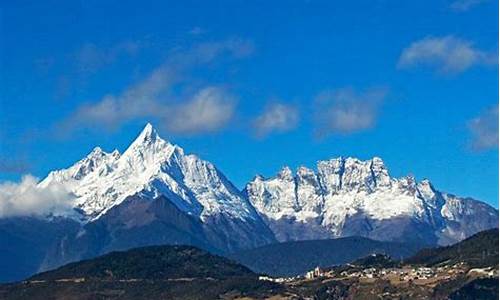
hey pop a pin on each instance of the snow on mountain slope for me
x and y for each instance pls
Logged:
(151, 167)
(348, 196)
(344, 197)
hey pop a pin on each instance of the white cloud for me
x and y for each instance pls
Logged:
(26, 198)
(447, 54)
(465, 5)
(89, 58)
(276, 117)
(209, 110)
(484, 130)
(156, 96)
(139, 100)
(346, 111)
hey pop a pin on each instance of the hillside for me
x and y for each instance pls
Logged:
(479, 250)
(186, 272)
(375, 261)
(294, 258)
(155, 262)
(156, 272)
(156, 193)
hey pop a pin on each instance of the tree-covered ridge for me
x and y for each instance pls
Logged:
(479, 250)
(154, 262)
(298, 257)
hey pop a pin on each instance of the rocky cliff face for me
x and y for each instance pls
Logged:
(153, 170)
(347, 196)
(155, 193)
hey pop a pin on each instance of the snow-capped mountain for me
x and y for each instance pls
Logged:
(155, 193)
(152, 168)
(343, 197)
(347, 196)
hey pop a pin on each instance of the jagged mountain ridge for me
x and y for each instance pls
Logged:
(151, 166)
(343, 197)
(133, 185)
(347, 196)
(153, 193)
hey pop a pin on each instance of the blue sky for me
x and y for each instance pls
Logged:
(255, 86)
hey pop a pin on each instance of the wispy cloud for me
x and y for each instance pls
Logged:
(85, 61)
(465, 5)
(156, 96)
(209, 110)
(484, 130)
(346, 111)
(276, 117)
(90, 57)
(13, 165)
(26, 198)
(447, 54)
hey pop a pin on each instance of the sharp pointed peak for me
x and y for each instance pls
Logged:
(148, 135)
(149, 141)
(426, 182)
(148, 131)
(96, 153)
(97, 150)
(285, 169)
(258, 177)
(377, 164)
(304, 169)
(410, 179)
(115, 153)
(285, 173)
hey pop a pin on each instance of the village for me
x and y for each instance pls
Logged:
(419, 275)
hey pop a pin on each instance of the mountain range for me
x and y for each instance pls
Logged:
(154, 193)
(186, 272)
(297, 257)
(350, 197)
(154, 272)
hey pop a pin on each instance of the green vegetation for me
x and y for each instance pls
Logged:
(156, 272)
(202, 289)
(294, 258)
(478, 289)
(479, 250)
(155, 262)
(375, 261)
(185, 272)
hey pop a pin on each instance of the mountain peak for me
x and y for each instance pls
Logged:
(96, 151)
(258, 177)
(116, 154)
(148, 133)
(285, 173)
(148, 140)
(377, 161)
(426, 189)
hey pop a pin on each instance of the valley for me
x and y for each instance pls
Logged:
(154, 193)
(184, 272)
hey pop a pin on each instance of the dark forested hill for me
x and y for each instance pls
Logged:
(154, 262)
(479, 250)
(293, 258)
(186, 272)
(156, 272)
